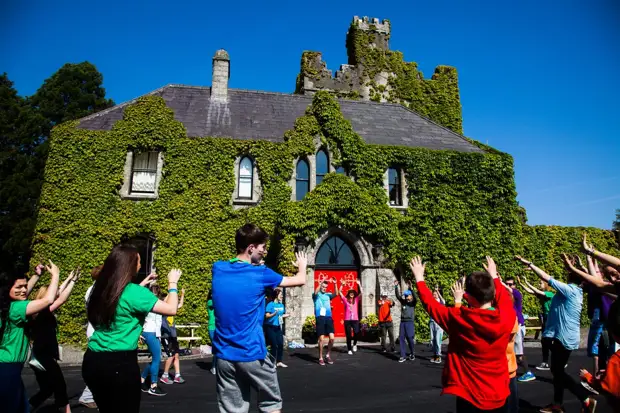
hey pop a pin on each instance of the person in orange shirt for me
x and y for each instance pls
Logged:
(385, 321)
(608, 382)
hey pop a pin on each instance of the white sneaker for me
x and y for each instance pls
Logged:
(355, 347)
(350, 352)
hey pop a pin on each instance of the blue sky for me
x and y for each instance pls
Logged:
(538, 79)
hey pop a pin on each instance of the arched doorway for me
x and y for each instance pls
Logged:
(336, 259)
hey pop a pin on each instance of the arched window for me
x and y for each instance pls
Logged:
(395, 190)
(246, 176)
(302, 179)
(322, 165)
(335, 251)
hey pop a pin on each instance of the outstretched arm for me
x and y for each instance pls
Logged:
(502, 296)
(182, 298)
(592, 279)
(539, 272)
(66, 291)
(437, 311)
(589, 249)
(300, 278)
(36, 306)
(533, 289)
(397, 293)
(35, 278)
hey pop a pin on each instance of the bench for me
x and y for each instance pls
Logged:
(532, 323)
(192, 328)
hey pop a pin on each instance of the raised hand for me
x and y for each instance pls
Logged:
(39, 269)
(587, 247)
(568, 262)
(417, 268)
(458, 290)
(149, 279)
(174, 275)
(301, 260)
(396, 282)
(53, 269)
(491, 268)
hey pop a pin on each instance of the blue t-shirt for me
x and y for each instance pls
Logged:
(276, 319)
(564, 315)
(238, 290)
(322, 304)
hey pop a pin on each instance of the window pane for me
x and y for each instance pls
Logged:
(303, 171)
(393, 176)
(335, 251)
(340, 170)
(322, 164)
(143, 182)
(301, 189)
(395, 195)
(152, 165)
(245, 167)
(141, 160)
(245, 187)
(319, 179)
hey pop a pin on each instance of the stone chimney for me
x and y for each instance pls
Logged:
(221, 74)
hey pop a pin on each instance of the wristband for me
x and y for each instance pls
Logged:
(172, 290)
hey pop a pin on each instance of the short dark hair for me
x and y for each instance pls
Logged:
(509, 279)
(613, 321)
(249, 234)
(480, 285)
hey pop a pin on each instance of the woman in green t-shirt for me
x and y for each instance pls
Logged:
(117, 308)
(14, 308)
(544, 294)
(211, 314)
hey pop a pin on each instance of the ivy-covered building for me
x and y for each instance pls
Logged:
(362, 170)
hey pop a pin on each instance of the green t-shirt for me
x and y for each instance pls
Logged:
(545, 302)
(14, 344)
(133, 306)
(211, 313)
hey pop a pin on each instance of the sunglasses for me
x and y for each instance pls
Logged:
(510, 284)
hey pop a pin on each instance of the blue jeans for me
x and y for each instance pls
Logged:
(12, 392)
(155, 348)
(436, 337)
(407, 332)
(211, 335)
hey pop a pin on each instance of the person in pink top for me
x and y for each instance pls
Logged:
(351, 318)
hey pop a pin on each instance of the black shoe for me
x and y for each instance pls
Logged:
(145, 386)
(156, 391)
(411, 357)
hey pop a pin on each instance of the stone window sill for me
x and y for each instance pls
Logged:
(244, 202)
(139, 197)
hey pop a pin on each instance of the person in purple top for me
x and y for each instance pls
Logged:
(351, 318)
(520, 337)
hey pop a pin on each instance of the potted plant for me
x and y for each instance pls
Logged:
(369, 328)
(308, 331)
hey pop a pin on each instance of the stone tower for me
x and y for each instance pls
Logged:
(374, 72)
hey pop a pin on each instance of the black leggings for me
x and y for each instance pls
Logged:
(12, 393)
(561, 380)
(114, 379)
(275, 339)
(51, 381)
(463, 406)
(546, 343)
(351, 330)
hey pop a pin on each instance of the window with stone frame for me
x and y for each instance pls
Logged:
(245, 184)
(144, 173)
(395, 190)
(302, 179)
(322, 165)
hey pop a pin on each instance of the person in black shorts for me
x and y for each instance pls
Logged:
(324, 322)
(169, 334)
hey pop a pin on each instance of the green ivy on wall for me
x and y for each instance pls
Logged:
(462, 206)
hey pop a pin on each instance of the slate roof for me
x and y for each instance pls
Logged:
(256, 115)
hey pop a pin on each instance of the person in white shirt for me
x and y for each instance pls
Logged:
(151, 334)
(86, 399)
(436, 331)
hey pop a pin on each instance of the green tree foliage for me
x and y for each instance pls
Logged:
(616, 224)
(462, 206)
(72, 92)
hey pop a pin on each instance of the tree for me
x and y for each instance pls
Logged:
(616, 224)
(74, 91)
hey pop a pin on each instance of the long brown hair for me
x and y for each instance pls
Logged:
(118, 270)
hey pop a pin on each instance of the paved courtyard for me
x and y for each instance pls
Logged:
(364, 382)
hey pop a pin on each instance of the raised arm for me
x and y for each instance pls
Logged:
(171, 305)
(36, 306)
(592, 279)
(300, 278)
(533, 290)
(437, 311)
(66, 292)
(182, 298)
(397, 293)
(592, 268)
(359, 286)
(540, 273)
(502, 296)
(589, 249)
(35, 278)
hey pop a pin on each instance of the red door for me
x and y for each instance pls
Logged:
(349, 277)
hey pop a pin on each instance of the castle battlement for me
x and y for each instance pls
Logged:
(365, 23)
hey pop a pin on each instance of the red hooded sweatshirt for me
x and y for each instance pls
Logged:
(476, 368)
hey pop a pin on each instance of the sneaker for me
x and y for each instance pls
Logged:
(552, 408)
(543, 367)
(589, 388)
(144, 386)
(213, 370)
(329, 360)
(179, 380)
(393, 350)
(282, 365)
(355, 348)
(350, 352)
(321, 362)
(156, 391)
(402, 360)
(166, 380)
(89, 405)
(589, 406)
(438, 360)
(411, 357)
(529, 376)
(383, 350)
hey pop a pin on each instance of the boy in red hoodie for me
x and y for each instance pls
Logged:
(476, 371)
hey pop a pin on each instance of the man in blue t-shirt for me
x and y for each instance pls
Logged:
(324, 321)
(238, 289)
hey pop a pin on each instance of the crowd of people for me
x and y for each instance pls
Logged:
(486, 327)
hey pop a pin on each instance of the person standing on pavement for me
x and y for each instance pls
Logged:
(385, 322)
(275, 313)
(211, 328)
(169, 330)
(151, 333)
(86, 399)
(238, 287)
(520, 338)
(351, 318)
(324, 321)
(407, 318)
(436, 330)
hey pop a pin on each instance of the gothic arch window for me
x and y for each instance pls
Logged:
(322, 165)
(336, 252)
(395, 190)
(302, 179)
(245, 185)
